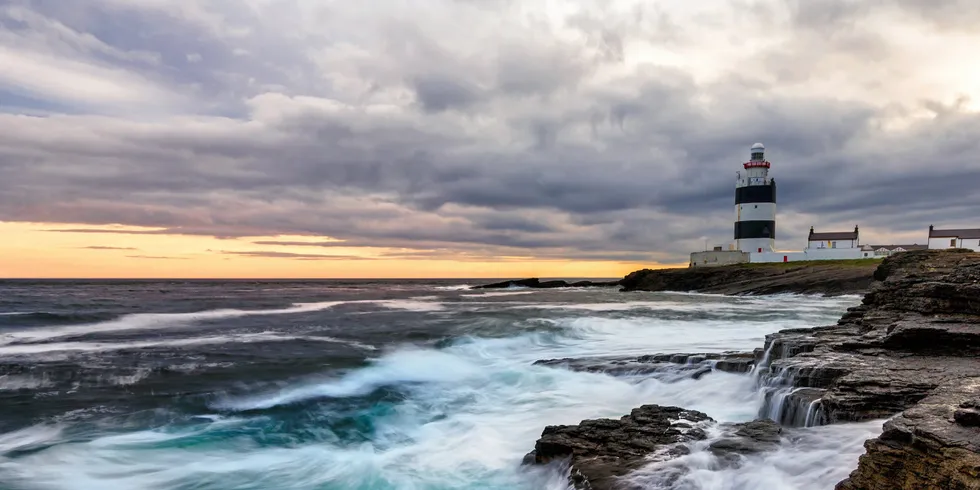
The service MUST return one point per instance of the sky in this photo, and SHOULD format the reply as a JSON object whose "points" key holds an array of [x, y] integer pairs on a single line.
{"points": [[469, 138]]}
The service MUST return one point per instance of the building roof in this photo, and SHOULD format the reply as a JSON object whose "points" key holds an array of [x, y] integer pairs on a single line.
{"points": [[833, 235], [966, 233], [914, 246]]}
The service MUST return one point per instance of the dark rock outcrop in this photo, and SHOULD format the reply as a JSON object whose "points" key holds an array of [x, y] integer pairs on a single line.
{"points": [[748, 438], [926, 446], [829, 278], [600, 452], [678, 366], [536, 283]]}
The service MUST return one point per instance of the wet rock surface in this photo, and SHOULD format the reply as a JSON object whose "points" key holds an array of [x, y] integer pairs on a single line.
{"points": [[601, 451], [748, 438], [912, 348], [674, 366], [925, 447]]}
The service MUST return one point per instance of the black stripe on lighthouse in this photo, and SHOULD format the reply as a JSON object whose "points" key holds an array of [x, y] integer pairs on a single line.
{"points": [[755, 193], [755, 229]]}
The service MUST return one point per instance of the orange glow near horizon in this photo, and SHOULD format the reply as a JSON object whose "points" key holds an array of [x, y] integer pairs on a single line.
{"points": [[31, 250]]}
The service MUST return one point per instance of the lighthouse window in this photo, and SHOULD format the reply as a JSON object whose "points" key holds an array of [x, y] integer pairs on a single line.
{"points": [[756, 206]]}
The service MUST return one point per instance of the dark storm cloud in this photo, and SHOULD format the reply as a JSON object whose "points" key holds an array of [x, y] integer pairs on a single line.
{"points": [[453, 137], [438, 94]]}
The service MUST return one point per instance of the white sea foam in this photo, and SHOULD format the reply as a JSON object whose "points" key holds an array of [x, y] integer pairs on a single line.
{"points": [[410, 305], [151, 321], [23, 349], [457, 287], [28, 438], [496, 293], [10, 382], [814, 458]]}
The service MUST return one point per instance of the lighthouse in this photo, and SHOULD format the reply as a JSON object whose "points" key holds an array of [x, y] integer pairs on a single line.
{"points": [[755, 204]]}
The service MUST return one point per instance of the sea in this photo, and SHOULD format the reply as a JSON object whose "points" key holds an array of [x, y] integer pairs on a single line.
{"points": [[370, 385]]}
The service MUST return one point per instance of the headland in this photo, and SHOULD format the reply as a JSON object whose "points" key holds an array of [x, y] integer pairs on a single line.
{"points": [[909, 353], [828, 277]]}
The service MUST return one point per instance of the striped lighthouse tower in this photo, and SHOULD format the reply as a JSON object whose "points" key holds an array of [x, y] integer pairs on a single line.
{"points": [[755, 205]]}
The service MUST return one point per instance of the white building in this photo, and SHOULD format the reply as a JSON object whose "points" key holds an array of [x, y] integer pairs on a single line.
{"points": [[886, 250], [833, 239], [961, 238]]}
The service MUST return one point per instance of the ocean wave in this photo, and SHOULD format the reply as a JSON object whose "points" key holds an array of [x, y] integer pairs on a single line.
{"points": [[410, 305], [404, 366], [157, 321], [457, 287], [29, 438], [34, 317], [152, 321], [38, 348], [491, 294], [14, 382]]}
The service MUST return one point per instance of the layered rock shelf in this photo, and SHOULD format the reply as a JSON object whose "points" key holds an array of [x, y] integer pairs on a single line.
{"points": [[827, 277], [909, 353], [600, 452]]}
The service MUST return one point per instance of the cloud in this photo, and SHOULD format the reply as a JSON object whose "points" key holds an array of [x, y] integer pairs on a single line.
{"points": [[475, 129], [100, 247], [295, 256], [155, 257]]}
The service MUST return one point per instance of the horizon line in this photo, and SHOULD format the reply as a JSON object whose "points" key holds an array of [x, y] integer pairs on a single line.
{"points": [[502, 278]]}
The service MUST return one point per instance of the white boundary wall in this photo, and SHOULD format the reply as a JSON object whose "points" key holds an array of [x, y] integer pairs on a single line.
{"points": [[812, 254]]}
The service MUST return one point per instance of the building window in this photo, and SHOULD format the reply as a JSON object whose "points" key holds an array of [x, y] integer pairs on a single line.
{"points": [[952, 242], [833, 244]]}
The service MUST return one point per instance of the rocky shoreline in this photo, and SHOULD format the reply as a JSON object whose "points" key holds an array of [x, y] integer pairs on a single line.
{"points": [[828, 278], [909, 353]]}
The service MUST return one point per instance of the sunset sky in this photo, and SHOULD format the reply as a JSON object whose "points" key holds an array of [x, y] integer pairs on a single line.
{"points": [[469, 138]]}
